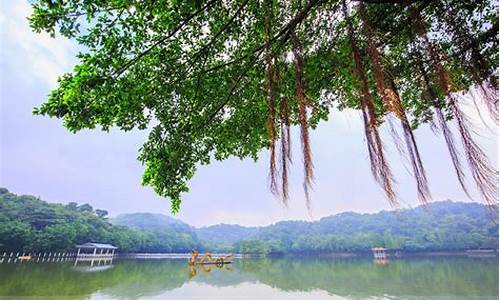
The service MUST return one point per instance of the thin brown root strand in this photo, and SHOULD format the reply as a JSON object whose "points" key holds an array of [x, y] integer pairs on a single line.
{"points": [[307, 194], [443, 82], [271, 117], [485, 176], [273, 186], [284, 165], [303, 121], [452, 149], [378, 160], [379, 165], [419, 173], [478, 110], [445, 130], [285, 149], [433, 126], [396, 138], [489, 94], [423, 190], [285, 119]]}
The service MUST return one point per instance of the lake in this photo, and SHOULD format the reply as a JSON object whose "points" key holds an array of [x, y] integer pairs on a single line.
{"points": [[268, 279]]}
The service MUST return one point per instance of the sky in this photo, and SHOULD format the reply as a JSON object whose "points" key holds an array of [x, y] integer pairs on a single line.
{"points": [[39, 157]]}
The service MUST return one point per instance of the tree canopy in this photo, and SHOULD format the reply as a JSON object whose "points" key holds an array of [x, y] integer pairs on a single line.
{"points": [[212, 79]]}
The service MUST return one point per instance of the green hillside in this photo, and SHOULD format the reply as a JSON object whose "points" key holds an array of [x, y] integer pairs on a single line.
{"points": [[150, 221], [226, 234], [441, 226], [29, 224]]}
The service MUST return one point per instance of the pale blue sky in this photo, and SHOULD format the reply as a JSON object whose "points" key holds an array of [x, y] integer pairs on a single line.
{"points": [[38, 156]]}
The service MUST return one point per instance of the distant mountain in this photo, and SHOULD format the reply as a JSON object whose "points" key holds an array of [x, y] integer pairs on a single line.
{"points": [[440, 226], [29, 224], [226, 234], [222, 234], [151, 222]]}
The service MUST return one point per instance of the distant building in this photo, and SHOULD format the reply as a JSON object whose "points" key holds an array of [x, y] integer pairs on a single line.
{"points": [[379, 253], [95, 250]]}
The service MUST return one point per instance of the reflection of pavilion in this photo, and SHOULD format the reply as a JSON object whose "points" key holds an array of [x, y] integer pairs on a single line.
{"points": [[97, 265], [100, 257]]}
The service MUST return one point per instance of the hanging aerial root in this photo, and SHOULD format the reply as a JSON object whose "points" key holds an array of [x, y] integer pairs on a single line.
{"points": [[284, 166], [388, 96], [485, 176], [392, 103], [271, 117], [489, 94], [303, 120], [398, 142], [443, 83], [479, 68], [445, 130], [452, 149], [419, 173], [286, 157], [379, 165], [424, 194]]}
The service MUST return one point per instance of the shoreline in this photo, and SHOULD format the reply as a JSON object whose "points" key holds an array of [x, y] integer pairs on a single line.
{"points": [[400, 254]]}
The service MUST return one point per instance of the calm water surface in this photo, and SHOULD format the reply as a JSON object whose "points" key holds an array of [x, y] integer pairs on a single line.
{"points": [[268, 279]]}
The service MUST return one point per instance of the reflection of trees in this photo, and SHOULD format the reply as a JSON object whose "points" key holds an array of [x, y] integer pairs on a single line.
{"points": [[353, 278], [128, 279], [362, 278]]}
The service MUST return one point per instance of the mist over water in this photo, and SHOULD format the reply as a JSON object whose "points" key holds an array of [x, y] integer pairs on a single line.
{"points": [[269, 278]]}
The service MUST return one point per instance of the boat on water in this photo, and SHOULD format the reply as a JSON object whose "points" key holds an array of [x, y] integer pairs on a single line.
{"points": [[209, 259]]}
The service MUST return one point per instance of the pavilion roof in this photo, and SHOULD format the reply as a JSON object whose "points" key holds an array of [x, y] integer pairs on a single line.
{"points": [[96, 245]]}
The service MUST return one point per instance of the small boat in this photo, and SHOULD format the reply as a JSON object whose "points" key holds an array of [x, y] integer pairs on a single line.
{"points": [[207, 259], [218, 261], [25, 257]]}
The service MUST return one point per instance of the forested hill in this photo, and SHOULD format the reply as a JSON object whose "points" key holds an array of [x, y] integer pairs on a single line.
{"points": [[151, 222], [441, 226], [27, 223]]}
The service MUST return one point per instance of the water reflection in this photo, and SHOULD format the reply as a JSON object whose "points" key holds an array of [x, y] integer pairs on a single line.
{"points": [[92, 265], [381, 261], [311, 278], [206, 268]]}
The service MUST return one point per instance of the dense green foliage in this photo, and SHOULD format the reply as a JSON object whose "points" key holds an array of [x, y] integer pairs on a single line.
{"points": [[214, 79], [442, 226], [30, 224]]}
